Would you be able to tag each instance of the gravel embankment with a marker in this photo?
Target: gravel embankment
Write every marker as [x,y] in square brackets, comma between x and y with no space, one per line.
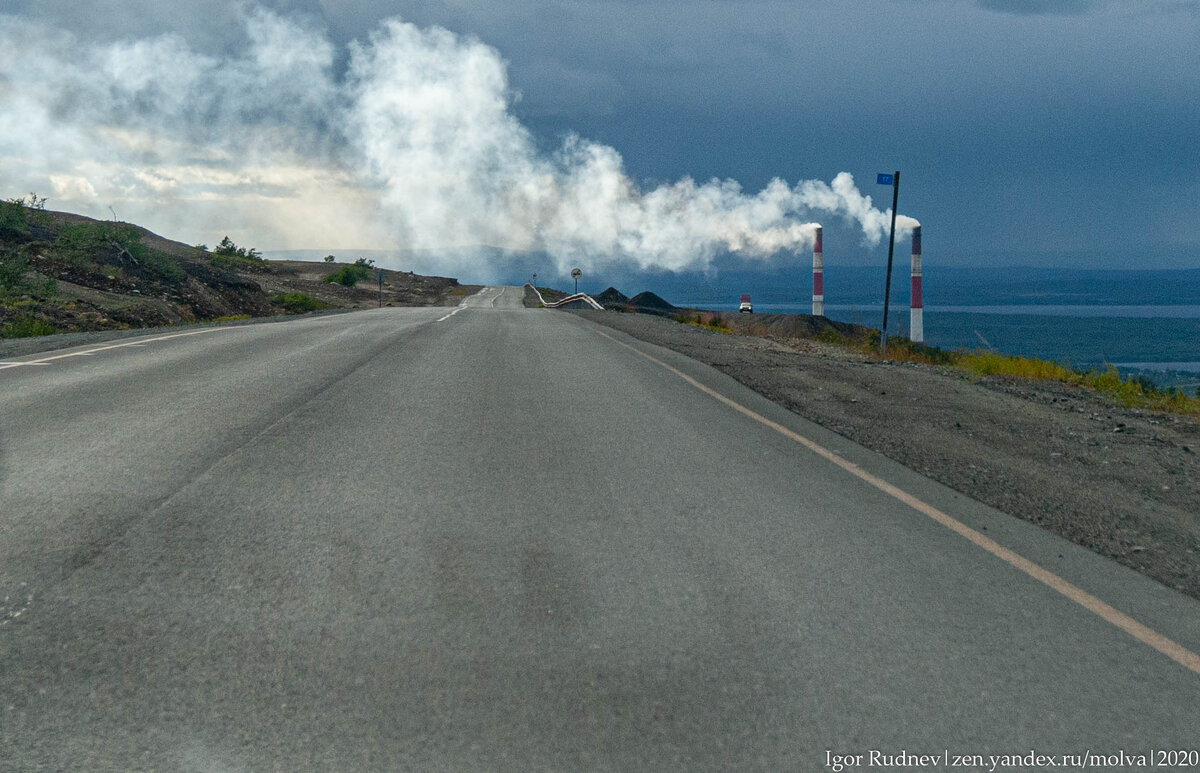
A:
[1125,483]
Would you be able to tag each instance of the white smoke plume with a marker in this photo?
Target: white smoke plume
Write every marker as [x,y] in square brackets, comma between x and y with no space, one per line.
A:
[413,147]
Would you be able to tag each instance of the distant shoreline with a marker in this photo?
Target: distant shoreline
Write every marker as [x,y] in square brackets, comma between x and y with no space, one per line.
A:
[1161,343]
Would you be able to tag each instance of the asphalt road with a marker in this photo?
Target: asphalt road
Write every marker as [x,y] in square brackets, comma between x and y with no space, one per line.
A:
[492,538]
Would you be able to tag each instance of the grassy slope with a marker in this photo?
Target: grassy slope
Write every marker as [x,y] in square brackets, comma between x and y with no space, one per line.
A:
[61,272]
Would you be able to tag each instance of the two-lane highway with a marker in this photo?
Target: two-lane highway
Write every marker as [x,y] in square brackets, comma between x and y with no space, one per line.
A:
[492,538]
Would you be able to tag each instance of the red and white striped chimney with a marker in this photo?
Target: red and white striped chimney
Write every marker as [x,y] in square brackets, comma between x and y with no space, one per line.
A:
[916,306]
[818,307]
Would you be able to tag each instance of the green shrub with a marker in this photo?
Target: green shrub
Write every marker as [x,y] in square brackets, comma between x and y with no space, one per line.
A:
[87,243]
[27,327]
[298,303]
[163,266]
[237,263]
[19,216]
[349,275]
[13,221]
[14,264]
[114,245]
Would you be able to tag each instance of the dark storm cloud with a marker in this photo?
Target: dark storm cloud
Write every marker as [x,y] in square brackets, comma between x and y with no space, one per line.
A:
[997,109]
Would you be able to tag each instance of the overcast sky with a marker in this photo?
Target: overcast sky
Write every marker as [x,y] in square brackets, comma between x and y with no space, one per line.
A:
[1027,131]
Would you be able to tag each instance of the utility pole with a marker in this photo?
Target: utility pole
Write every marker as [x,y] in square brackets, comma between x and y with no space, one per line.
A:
[884,179]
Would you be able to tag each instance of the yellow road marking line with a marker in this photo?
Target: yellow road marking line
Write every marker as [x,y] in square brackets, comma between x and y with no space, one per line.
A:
[1142,633]
[138,342]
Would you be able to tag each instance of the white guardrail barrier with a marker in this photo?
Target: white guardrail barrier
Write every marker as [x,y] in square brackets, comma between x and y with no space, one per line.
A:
[589,300]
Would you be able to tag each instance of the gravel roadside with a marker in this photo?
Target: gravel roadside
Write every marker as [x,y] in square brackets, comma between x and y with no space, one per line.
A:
[1124,483]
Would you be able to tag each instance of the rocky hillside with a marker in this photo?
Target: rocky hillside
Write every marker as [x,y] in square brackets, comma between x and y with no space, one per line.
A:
[61,272]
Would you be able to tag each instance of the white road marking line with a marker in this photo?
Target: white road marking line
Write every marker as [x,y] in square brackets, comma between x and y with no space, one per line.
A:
[89,352]
[1142,633]
[451,314]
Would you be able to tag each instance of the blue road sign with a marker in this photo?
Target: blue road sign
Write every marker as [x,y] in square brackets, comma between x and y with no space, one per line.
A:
[884,179]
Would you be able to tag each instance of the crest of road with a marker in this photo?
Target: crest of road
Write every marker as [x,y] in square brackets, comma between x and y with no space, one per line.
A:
[487,537]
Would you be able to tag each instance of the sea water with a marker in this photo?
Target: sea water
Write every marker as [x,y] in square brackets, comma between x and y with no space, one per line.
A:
[1161,343]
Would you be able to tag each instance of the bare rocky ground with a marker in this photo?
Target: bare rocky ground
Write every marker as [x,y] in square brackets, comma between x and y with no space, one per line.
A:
[1122,482]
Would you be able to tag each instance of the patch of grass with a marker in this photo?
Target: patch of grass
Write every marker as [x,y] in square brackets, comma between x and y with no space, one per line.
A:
[1139,392]
[298,303]
[231,318]
[1135,392]
[707,321]
[830,335]
[27,327]
[983,363]
[47,288]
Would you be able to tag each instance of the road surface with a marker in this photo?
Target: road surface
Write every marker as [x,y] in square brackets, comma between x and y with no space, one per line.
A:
[492,538]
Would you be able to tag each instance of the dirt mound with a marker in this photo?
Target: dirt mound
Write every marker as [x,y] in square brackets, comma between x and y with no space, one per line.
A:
[792,326]
[612,297]
[650,301]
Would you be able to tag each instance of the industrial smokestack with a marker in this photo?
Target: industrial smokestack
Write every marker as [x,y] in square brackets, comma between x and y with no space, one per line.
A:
[916,307]
[818,306]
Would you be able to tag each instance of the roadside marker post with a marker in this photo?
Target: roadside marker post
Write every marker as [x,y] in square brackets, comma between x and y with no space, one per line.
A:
[818,294]
[379,276]
[894,181]
[916,306]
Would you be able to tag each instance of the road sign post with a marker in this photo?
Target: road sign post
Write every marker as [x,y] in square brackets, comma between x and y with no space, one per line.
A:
[894,180]
[575,274]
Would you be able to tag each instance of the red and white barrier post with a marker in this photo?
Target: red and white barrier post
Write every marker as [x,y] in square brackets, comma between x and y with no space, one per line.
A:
[916,306]
[818,301]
